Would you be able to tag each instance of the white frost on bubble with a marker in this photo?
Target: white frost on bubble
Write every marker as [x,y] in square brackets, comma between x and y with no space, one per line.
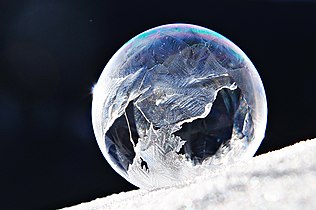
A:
[283,179]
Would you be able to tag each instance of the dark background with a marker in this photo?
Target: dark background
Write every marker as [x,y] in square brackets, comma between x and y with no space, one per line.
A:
[52,52]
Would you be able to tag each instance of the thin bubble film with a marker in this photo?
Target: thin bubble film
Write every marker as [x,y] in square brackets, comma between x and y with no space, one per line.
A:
[176,101]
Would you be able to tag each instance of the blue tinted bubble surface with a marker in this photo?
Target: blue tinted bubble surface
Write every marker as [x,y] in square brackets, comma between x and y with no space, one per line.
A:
[175,102]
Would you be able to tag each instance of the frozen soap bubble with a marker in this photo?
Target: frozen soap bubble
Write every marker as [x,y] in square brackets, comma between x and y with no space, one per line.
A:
[175,102]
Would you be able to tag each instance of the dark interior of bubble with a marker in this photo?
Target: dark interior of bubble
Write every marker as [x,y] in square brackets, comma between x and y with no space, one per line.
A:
[121,148]
[143,164]
[205,136]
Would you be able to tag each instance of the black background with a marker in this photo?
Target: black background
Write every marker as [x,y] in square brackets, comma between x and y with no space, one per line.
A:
[52,52]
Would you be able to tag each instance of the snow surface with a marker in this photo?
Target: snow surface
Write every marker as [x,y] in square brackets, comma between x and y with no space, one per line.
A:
[283,179]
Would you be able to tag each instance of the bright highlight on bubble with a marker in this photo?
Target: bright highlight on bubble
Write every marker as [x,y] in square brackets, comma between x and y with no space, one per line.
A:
[175,102]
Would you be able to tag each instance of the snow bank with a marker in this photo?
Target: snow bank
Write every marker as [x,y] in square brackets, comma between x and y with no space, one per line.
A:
[283,179]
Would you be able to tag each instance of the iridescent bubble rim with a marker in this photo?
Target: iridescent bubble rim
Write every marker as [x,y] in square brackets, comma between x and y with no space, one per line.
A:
[186,34]
[185,31]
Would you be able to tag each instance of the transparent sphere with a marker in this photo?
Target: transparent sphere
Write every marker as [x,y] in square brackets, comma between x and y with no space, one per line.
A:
[176,102]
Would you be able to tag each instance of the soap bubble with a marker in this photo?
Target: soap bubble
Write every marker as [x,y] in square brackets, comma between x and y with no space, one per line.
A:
[175,102]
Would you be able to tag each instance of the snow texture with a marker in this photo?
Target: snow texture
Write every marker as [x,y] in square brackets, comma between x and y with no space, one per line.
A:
[283,179]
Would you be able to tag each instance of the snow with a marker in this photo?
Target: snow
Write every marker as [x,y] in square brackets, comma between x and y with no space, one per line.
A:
[283,179]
